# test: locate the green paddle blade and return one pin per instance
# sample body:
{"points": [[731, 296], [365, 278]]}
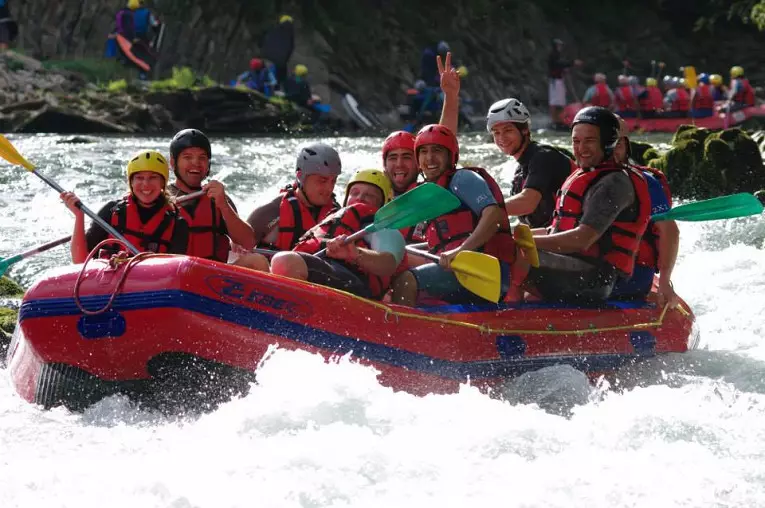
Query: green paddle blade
{"points": [[6, 263], [478, 273], [724, 207], [424, 202]]}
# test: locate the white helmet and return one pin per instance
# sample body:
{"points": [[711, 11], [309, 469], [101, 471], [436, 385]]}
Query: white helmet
{"points": [[507, 110]]}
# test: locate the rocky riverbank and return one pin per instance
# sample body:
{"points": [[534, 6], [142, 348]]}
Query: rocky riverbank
{"points": [[34, 98]]}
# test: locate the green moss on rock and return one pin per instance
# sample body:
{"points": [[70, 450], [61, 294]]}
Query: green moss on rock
{"points": [[10, 289]]}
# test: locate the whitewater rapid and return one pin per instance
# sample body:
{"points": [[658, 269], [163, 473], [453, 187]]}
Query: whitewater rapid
{"points": [[682, 430]]}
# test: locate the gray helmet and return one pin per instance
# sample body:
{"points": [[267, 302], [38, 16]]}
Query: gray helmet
{"points": [[317, 159]]}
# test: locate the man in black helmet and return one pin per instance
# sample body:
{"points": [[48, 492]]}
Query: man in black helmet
{"points": [[599, 219], [214, 216]]}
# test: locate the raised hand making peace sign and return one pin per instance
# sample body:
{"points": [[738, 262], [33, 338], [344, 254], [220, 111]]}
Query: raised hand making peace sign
{"points": [[450, 80]]}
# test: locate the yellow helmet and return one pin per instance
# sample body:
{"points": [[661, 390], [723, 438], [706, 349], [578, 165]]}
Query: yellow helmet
{"points": [[650, 82], [133, 4], [148, 160], [374, 177], [301, 70], [285, 18], [736, 71], [462, 71], [716, 79]]}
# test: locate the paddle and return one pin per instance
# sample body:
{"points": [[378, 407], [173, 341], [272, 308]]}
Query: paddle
{"points": [[724, 207], [424, 202], [6, 263], [477, 272], [689, 73], [9, 153], [524, 238]]}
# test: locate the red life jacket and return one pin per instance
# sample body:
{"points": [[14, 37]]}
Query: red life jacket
{"points": [[618, 246], [295, 219], [703, 98], [625, 101], [206, 228], [682, 100], [345, 221], [745, 96], [601, 97], [648, 252], [413, 234], [652, 100], [452, 229], [154, 236]]}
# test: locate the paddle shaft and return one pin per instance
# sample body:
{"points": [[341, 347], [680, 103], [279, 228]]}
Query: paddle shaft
{"points": [[358, 235], [5, 263], [427, 255], [105, 225]]}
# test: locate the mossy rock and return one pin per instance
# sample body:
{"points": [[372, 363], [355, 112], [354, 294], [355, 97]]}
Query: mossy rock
{"points": [[10, 289], [689, 132], [8, 320], [760, 194], [650, 155]]}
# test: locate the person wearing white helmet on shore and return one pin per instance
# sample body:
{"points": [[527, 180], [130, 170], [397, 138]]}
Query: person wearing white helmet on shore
{"points": [[541, 169]]}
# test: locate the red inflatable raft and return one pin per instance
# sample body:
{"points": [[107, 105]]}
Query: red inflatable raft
{"points": [[160, 315], [716, 121]]}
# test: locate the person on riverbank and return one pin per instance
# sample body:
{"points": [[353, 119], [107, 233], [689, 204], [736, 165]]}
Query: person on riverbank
{"points": [[556, 67], [660, 243], [428, 68], [213, 218], [277, 47], [280, 222], [600, 217], [8, 27], [479, 224], [364, 267], [297, 89], [146, 216], [741, 93], [599, 93]]}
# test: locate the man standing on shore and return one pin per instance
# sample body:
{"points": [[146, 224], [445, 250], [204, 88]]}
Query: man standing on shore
{"points": [[8, 27], [556, 67]]}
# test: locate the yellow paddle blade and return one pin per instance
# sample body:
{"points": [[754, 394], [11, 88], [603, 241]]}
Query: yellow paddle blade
{"points": [[525, 240], [478, 273], [689, 73], [9, 153]]}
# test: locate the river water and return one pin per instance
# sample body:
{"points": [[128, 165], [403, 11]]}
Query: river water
{"points": [[684, 430]]}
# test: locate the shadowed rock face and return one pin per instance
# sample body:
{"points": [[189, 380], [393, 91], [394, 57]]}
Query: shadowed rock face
{"points": [[374, 47]]}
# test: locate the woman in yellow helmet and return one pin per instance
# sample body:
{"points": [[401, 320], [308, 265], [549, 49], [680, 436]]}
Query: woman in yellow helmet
{"points": [[145, 216], [364, 267], [741, 93]]}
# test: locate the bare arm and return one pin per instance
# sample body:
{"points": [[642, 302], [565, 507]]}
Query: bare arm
{"points": [[669, 244], [382, 264], [568, 242], [523, 203], [264, 219], [491, 217], [450, 85]]}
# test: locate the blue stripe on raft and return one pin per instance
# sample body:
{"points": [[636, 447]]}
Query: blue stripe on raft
{"points": [[327, 341]]}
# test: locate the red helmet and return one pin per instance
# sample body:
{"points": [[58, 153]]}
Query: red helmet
{"points": [[435, 134], [256, 64], [396, 141]]}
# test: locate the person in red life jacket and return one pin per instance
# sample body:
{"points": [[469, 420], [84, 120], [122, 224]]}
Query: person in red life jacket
{"points": [[213, 216], [599, 94], [479, 224], [600, 217], [650, 99], [741, 93], [282, 220], [661, 241], [626, 99], [541, 168], [401, 170], [719, 90], [702, 100], [364, 267], [677, 100], [146, 216]]}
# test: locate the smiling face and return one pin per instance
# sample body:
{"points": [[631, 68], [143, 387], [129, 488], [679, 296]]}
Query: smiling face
{"points": [[401, 169], [507, 137], [318, 189], [433, 161], [147, 186], [585, 139], [365, 193], [193, 166]]}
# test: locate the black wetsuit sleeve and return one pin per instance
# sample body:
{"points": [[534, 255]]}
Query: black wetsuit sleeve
{"points": [[179, 243], [95, 234]]}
